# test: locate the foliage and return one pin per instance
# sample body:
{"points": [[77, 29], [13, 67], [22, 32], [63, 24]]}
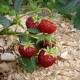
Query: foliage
{"points": [[16, 6], [34, 4], [27, 63], [6, 8], [4, 21], [70, 9]]}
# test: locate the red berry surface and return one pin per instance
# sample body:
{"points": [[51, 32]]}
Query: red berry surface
{"points": [[31, 24], [45, 43], [28, 52], [46, 60], [46, 26]]}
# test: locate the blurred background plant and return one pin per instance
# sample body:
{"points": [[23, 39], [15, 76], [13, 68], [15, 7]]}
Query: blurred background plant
{"points": [[6, 7]]}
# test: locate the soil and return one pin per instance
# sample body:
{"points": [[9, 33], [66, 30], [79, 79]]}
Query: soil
{"points": [[66, 68]]}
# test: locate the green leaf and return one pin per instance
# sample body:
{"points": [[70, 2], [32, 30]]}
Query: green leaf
{"points": [[38, 44], [12, 13], [24, 38], [39, 39], [67, 6], [32, 5], [33, 30], [10, 1], [17, 5], [4, 9], [39, 47], [27, 63], [5, 22], [76, 20], [62, 2]]}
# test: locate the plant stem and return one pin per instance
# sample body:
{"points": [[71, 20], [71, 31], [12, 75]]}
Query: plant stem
{"points": [[20, 33], [38, 9]]}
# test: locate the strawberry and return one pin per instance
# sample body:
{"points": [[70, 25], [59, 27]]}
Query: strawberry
{"points": [[46, 59], [45, 43], [31, 24], [46, 26], [28, 51]]}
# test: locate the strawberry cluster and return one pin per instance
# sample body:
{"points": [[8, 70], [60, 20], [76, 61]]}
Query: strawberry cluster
{"points": [[44, 26], [47, 53]]}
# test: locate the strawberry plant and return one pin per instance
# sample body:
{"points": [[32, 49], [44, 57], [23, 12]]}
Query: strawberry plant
{"points": [[38, 29]]}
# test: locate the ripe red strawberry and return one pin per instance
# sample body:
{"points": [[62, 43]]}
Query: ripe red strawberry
{"points": [[31, 24], [46, 26], [45, 43], [27, 52], [46, 59]]}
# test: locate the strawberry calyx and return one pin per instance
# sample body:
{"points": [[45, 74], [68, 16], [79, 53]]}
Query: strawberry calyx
{"points": [[28, 44], [50, 38], [52, 51], [48, 41], [36, 18]]}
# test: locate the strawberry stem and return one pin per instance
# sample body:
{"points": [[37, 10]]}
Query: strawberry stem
{"points": [[20, 33], [27, 44], [38, 9]]}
